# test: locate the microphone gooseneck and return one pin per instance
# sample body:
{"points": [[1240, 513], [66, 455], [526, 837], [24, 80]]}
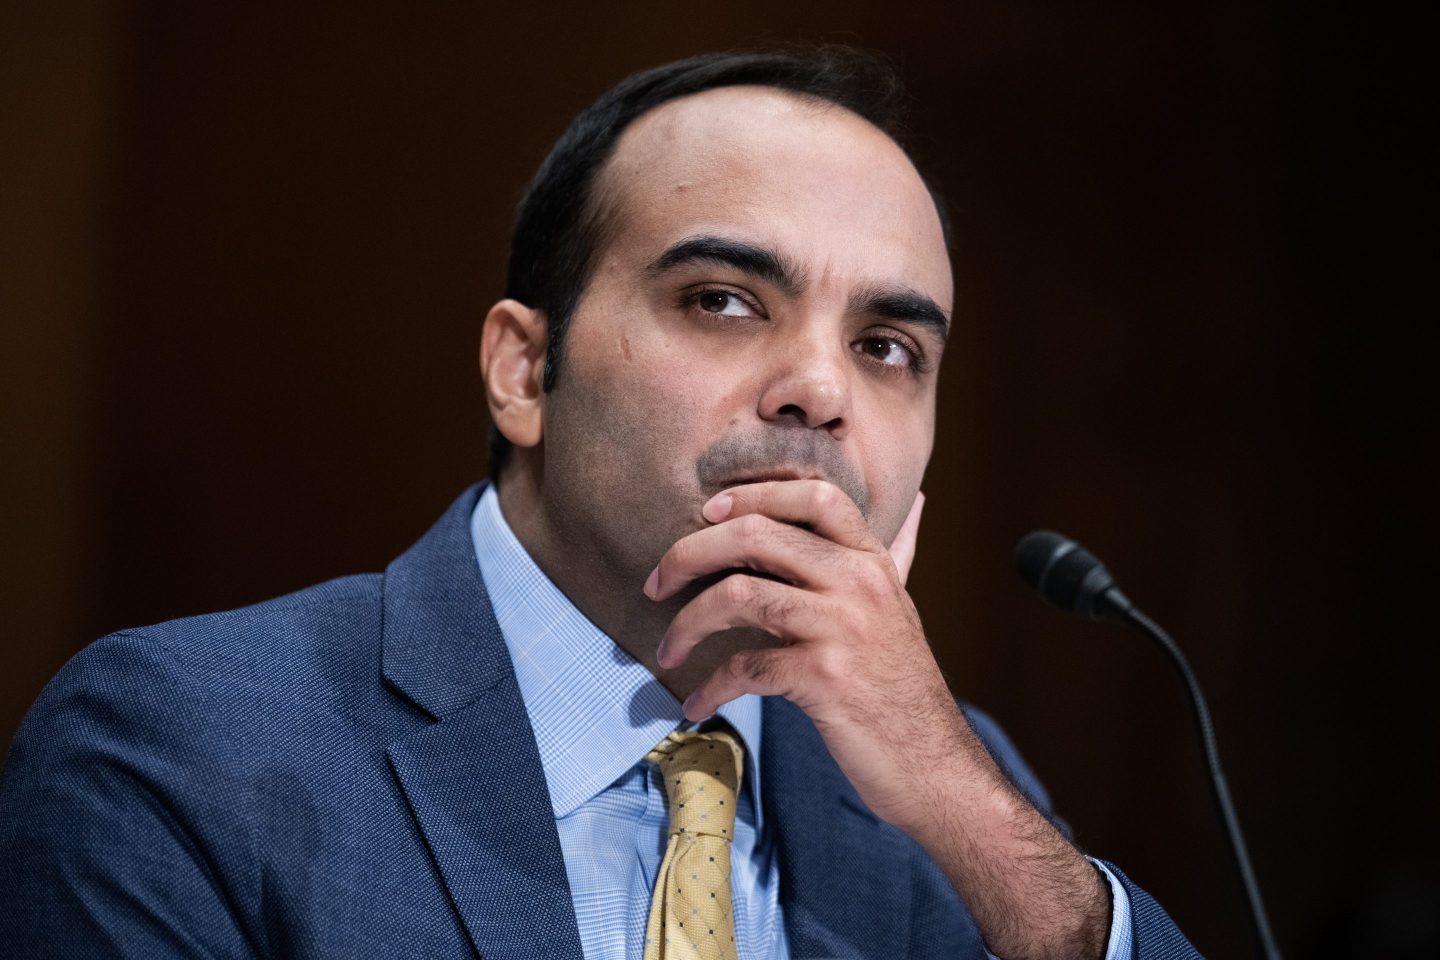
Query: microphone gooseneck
{"points": [[1070, 577]]}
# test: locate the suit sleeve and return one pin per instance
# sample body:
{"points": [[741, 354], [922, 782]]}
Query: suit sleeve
{"points": [[1153, 935], [122, 831]]}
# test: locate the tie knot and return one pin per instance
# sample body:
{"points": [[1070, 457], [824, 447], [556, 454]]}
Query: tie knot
{"points": [[702, 774]]}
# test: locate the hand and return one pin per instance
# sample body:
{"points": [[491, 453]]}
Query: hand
{"points": [[853, 652], [854, 657]]}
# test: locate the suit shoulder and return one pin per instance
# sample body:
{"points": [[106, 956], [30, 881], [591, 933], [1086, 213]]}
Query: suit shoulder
{"points": [[318, 645], [264, 632]]}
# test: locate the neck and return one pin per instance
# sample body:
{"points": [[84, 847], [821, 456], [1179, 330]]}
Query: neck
{"points": [[607, 588]]}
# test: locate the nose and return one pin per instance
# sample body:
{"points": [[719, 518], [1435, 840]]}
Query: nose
{"points": [[811, 386]]}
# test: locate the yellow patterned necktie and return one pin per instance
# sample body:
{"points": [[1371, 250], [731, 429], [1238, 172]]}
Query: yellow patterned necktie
{"points": [[690, 912]]}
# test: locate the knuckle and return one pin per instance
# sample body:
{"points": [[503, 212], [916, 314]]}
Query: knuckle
{"points": [[766, 609], [830, 497], [737, 589], [752, 528], [819, 497], [781, 608], [753, 665], [870, 579], [774, 605], [828, 665]]}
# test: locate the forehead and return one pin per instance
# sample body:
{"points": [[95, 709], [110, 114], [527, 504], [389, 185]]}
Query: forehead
{"points": [[808, 178]]}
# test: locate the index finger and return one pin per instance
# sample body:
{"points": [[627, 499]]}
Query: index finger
{"points": [[817, 504]]}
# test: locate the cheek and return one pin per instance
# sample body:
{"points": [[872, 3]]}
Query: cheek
{"points": [[652, 387], [897, 459], [638, 390]]}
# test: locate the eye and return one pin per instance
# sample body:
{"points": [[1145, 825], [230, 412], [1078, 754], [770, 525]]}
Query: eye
{"points": [[723, 303], [889, 351]]}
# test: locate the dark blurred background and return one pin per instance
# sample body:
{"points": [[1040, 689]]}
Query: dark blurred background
{"points": [[247, 250]]}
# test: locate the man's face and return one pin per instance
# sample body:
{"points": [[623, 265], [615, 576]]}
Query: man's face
{"points": [[770, 302]]}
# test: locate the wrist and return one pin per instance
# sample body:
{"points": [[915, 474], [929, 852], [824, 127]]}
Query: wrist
{"points": [[1032, 892], [960, 795]]}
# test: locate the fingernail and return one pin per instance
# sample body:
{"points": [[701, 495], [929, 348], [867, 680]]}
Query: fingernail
{"points": [[685, 707], [660, 654], [652, 583], [718, 508]]}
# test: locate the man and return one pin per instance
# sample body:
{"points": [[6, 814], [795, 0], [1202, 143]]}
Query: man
{"points": [[712, 383]]}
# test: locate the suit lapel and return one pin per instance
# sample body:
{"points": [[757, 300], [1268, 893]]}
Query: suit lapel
{"points": [[844, 874], [473, 778], [479, 797]]}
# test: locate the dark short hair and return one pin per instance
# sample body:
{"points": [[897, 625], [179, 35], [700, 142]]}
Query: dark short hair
{"points": [[560, 228]]}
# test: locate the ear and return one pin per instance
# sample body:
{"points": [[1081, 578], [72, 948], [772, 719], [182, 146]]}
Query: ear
{"points": [[513, 345]]}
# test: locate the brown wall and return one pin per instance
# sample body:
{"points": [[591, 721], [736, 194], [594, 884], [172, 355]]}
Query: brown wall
{"points": [[246, 254]]}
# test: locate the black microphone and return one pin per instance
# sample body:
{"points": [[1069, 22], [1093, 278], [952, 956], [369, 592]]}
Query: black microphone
{"points": [[1073, 579], [1069, 576]]}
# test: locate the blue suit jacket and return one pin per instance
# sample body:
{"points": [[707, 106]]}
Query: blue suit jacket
{"points": [[349, 771]]}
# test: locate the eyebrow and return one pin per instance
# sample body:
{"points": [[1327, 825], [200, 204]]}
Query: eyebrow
{"points": [[763, 262], [903, 305], [897, 303]]}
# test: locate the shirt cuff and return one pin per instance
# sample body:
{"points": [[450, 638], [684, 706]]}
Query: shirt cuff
{"points": [[1122, 940], [1121, 945]]}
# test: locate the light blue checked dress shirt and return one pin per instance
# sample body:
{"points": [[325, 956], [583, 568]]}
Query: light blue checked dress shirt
{"points": [[596, 712]]}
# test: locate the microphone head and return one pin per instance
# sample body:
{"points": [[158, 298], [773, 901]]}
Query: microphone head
{"points": [[1068, 576]]}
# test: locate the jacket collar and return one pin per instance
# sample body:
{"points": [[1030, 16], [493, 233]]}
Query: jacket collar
{"points": [[442, 646]]}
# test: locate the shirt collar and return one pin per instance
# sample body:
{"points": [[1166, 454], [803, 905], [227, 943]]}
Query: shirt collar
{"points": [[595, 709]]}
